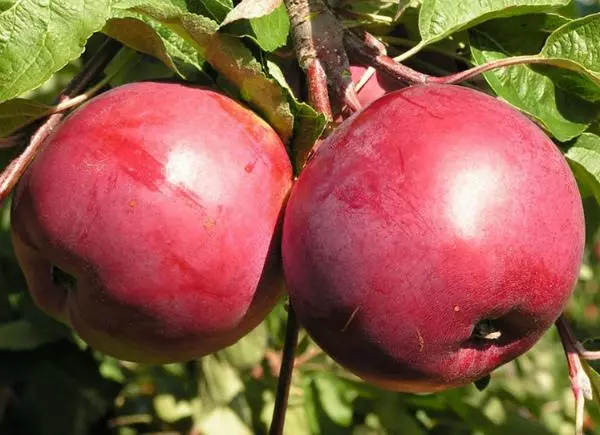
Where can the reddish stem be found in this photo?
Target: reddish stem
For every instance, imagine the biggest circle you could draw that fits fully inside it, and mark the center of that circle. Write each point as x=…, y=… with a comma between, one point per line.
x=475, y=71
x=368, y=50
x=580, y=382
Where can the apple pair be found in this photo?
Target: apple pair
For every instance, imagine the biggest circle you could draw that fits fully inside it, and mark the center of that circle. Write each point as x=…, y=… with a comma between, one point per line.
x=432, y=237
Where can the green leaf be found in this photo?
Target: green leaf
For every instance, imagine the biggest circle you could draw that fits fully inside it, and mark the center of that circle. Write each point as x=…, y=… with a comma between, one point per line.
x=19, y=112
x=230, y=58
x=219, y=384
x=153, y=38
x=131, y=66
x=169, y=409
x=215, y=9
x=247, y=9
x=584, y=158
x=38, y=38
x=563, y=114
x=331, y=398
x=140, y=36
x=271, y=31
x=576, y=46
x=249, y=350
x=309, y=124
x=441, y=18
x=222, y=420
x=22, y=335
x=296, y=419
x=396, y=419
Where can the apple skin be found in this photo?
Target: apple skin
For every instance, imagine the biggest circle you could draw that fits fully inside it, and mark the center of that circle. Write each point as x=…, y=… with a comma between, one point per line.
x=377, y=86
x=435, y=209
x=164, y=202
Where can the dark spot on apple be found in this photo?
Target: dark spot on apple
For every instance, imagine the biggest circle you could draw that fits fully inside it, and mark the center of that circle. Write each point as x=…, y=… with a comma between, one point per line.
x=62, y=279
x=486, y=329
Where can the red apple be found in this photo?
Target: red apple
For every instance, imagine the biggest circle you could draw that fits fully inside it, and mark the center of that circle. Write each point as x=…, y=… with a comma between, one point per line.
x=149, y=222
x=433, y=237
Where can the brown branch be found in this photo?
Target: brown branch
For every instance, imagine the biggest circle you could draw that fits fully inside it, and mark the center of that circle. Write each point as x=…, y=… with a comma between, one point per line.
x=13, y=172
x=318, y=39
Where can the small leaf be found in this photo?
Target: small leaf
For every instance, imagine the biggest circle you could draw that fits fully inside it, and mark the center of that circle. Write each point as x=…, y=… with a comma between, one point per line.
x=309, y=124
x=441, y=18
x=19, y=112
x=217, y=10
x=139, y=36
x=153, y=38
x=248, y=9
x=584, y=158
x=271, y=30
x=129, y=66
x=169, y=409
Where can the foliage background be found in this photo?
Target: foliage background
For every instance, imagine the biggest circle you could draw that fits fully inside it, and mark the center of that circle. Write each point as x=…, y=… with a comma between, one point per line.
x=51, y=383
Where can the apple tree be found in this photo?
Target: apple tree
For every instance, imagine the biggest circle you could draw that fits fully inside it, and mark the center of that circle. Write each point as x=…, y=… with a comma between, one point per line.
x=299, y=217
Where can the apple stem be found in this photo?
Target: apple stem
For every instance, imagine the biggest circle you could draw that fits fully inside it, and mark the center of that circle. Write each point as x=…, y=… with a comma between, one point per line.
x=319, y=46
x=11, y=174
x=477, y=70
x=367, y=49
x=363, y=50
x=580, y=382
x=285, y=373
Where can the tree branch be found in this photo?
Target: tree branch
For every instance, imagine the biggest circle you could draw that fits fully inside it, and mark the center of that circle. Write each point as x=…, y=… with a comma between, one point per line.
x=319, y=46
